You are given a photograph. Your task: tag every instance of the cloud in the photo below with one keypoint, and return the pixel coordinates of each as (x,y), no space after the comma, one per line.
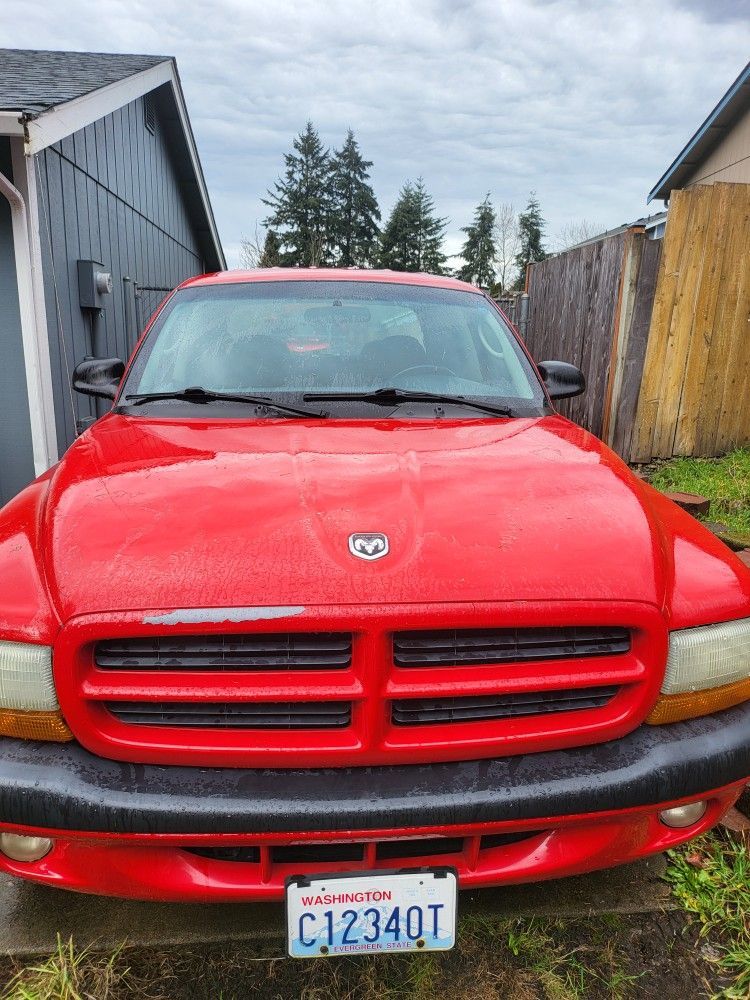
(584,102)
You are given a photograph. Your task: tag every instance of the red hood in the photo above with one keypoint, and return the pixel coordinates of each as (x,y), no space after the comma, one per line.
(147,513)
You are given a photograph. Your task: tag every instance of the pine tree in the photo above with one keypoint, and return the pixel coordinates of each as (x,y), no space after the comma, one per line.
(355,218)
(271,254)
(396,249)
(530,232)
(430,232)
(301,203)
(413,236)
(479,251)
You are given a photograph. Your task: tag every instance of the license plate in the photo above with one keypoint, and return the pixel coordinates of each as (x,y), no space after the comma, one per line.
(371,912)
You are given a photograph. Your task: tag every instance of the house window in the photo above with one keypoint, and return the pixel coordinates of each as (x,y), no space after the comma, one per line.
(149,113)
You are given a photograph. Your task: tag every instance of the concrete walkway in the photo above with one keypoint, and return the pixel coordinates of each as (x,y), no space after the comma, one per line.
(31,916)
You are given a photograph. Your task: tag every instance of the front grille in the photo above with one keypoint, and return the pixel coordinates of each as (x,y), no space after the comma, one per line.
(493,840)
(361,685)
(389,850)
(428,711)
(243,854)
(278,651)
(235,715)
(453,647)
(312,853)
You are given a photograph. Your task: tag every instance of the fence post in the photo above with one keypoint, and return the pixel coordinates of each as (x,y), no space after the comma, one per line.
(130,330)
(523,315)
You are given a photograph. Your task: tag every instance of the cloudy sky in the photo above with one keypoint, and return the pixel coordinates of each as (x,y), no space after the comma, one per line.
(584,101)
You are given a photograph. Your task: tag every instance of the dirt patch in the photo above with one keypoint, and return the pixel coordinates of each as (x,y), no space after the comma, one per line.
(658,955)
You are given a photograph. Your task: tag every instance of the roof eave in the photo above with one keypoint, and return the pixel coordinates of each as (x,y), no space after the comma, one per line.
(48,127)
(11,123)
(44,128)
(701,142)
(196,164)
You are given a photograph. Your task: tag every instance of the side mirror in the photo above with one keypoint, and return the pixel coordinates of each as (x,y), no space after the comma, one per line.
(98,377)
(562,380)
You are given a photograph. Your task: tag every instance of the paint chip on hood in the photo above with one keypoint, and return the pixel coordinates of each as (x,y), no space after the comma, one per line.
(217,616)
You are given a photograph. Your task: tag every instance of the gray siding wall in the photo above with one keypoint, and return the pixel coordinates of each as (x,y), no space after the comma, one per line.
(16,458)
(110,193)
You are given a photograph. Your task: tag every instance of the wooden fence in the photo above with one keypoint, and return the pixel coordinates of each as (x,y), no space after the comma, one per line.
(575,307)
(660,328)
(630,339)
(694,395)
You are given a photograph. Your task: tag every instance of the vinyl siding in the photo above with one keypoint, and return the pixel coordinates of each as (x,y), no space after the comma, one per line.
(110,193)
(730,160)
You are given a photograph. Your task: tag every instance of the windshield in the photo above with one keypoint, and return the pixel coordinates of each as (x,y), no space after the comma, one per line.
(292,340)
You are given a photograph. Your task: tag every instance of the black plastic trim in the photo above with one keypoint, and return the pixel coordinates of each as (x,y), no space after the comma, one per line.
(482,646)
(237,715)
(62,786)
(251,652)
(429,711)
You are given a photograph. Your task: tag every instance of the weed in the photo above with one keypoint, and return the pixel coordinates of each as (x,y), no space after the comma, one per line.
(710,877)
(70,975)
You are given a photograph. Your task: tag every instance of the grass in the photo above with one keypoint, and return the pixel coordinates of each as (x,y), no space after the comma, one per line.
(700,951)
(711,878)
(526,959)
(72,974)
(724,481)
(567,971)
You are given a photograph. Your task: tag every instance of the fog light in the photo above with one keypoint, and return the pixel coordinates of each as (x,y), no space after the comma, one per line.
(19,848)
(681,816)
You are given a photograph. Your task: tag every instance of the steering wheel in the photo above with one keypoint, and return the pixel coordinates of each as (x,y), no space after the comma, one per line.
(432,368)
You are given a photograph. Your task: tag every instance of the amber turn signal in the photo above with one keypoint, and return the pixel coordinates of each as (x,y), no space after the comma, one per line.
(691,704)
(34,725)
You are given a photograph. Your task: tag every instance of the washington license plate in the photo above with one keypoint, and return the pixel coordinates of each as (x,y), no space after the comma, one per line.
(371,912)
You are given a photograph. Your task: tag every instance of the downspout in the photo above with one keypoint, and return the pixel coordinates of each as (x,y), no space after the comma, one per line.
(26,305)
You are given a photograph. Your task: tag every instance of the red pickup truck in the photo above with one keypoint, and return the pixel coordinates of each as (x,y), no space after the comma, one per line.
(332,592)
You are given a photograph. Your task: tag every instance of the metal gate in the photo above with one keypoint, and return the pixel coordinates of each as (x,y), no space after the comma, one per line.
(516,308)
(148,298)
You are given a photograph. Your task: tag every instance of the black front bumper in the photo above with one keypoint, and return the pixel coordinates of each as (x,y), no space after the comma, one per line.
(63,787)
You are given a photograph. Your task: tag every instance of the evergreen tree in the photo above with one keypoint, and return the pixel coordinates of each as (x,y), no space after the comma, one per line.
(301,203)
(430,232)
(530,233)
(479,251)
(271,254)
(355,218)
(396,249)
(413,236)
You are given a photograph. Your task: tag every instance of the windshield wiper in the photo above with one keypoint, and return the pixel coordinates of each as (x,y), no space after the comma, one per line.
(391,395)
(197,394)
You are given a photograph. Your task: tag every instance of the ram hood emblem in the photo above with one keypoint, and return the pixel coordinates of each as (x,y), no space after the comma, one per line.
(368,545)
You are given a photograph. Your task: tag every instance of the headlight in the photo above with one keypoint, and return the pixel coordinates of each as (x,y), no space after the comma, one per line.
(708,669)
(28,703)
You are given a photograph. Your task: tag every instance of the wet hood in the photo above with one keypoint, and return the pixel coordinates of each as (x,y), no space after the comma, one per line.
(164,514)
